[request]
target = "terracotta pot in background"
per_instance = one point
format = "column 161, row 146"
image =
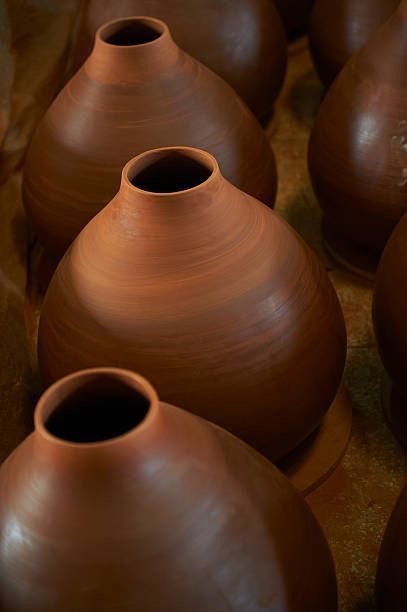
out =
column 295, row 15
column 357, row 155
column 339, row 31
column 389, row 316
column 118, row 501
column 136, row 91
column 391, row 587
column 241, row 40
column 208, row 293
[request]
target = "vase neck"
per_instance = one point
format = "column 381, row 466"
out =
column 129, row 51
column 175, row 181
column 96, row 419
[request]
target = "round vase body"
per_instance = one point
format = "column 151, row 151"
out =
column 136, row 91
column 241, row 40
column 389, row 317
column 337, row 33
column 208, row 293
column 168, row 514
column 357, row 153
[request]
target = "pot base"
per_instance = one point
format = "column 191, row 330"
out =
column 395, row 407
column 316, row 458
column 360, row 262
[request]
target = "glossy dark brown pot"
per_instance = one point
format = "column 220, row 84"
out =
column 241, row 40
column 391, row 585
column 207, row 292
column 135, row 92
column 339, row 30
column 357, row 154
column 120, row 502
column 295, row 15
column 390, row 321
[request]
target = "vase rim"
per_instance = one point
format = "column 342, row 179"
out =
column 149, row 158
column 111, row 27
column 64, row 387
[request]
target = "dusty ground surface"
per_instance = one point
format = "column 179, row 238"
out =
column 354, row 505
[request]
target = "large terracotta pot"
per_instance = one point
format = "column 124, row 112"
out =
column 295, row 15
column 357, row 155
column 391, row 586
column 241, row 40
column 135, row 92
column 339, row 31
column 120, row 502
column 208, row 293
column 389, row 316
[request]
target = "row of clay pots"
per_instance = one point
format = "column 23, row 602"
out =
column 270, row 301
column 358, row 148
column 121, row 502
column 136, row 91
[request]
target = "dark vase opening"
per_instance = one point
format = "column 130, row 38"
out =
column 97, row 409
column 173, row 171
column 131, row 33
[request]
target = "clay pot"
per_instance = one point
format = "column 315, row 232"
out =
column 391, row 587
column 357, row 154
column 295, row 15
column 208, row 293
column 338, row 32
column 136, row 91
column 118, row 501
column 389, row 316
column 241, row 40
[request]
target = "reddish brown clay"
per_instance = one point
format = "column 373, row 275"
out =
column 357, row 155
column 120, row 502
column 136, row 91
column 391, row 585
column 241, row 40
column 208, row 293
column 295, row 15
column 339, row 31
column 389, row 316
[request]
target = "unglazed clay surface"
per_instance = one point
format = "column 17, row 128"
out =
column 339, row 31
column 172, row 515
column 241, row 40
column 357, row 154
column 136, row 91
column 389, row 316
column 208, row 293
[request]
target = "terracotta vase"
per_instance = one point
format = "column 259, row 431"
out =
column 295, row 15
column 389, row 316
column 120, row 502
column 357, row 154
column 136, row 91
column 241, row 40
column 338, row 32
column 208, row 293
column 391, row 587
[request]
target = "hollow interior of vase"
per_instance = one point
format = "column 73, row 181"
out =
column 100, row 408
column 131, row 33
column 171, row 172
